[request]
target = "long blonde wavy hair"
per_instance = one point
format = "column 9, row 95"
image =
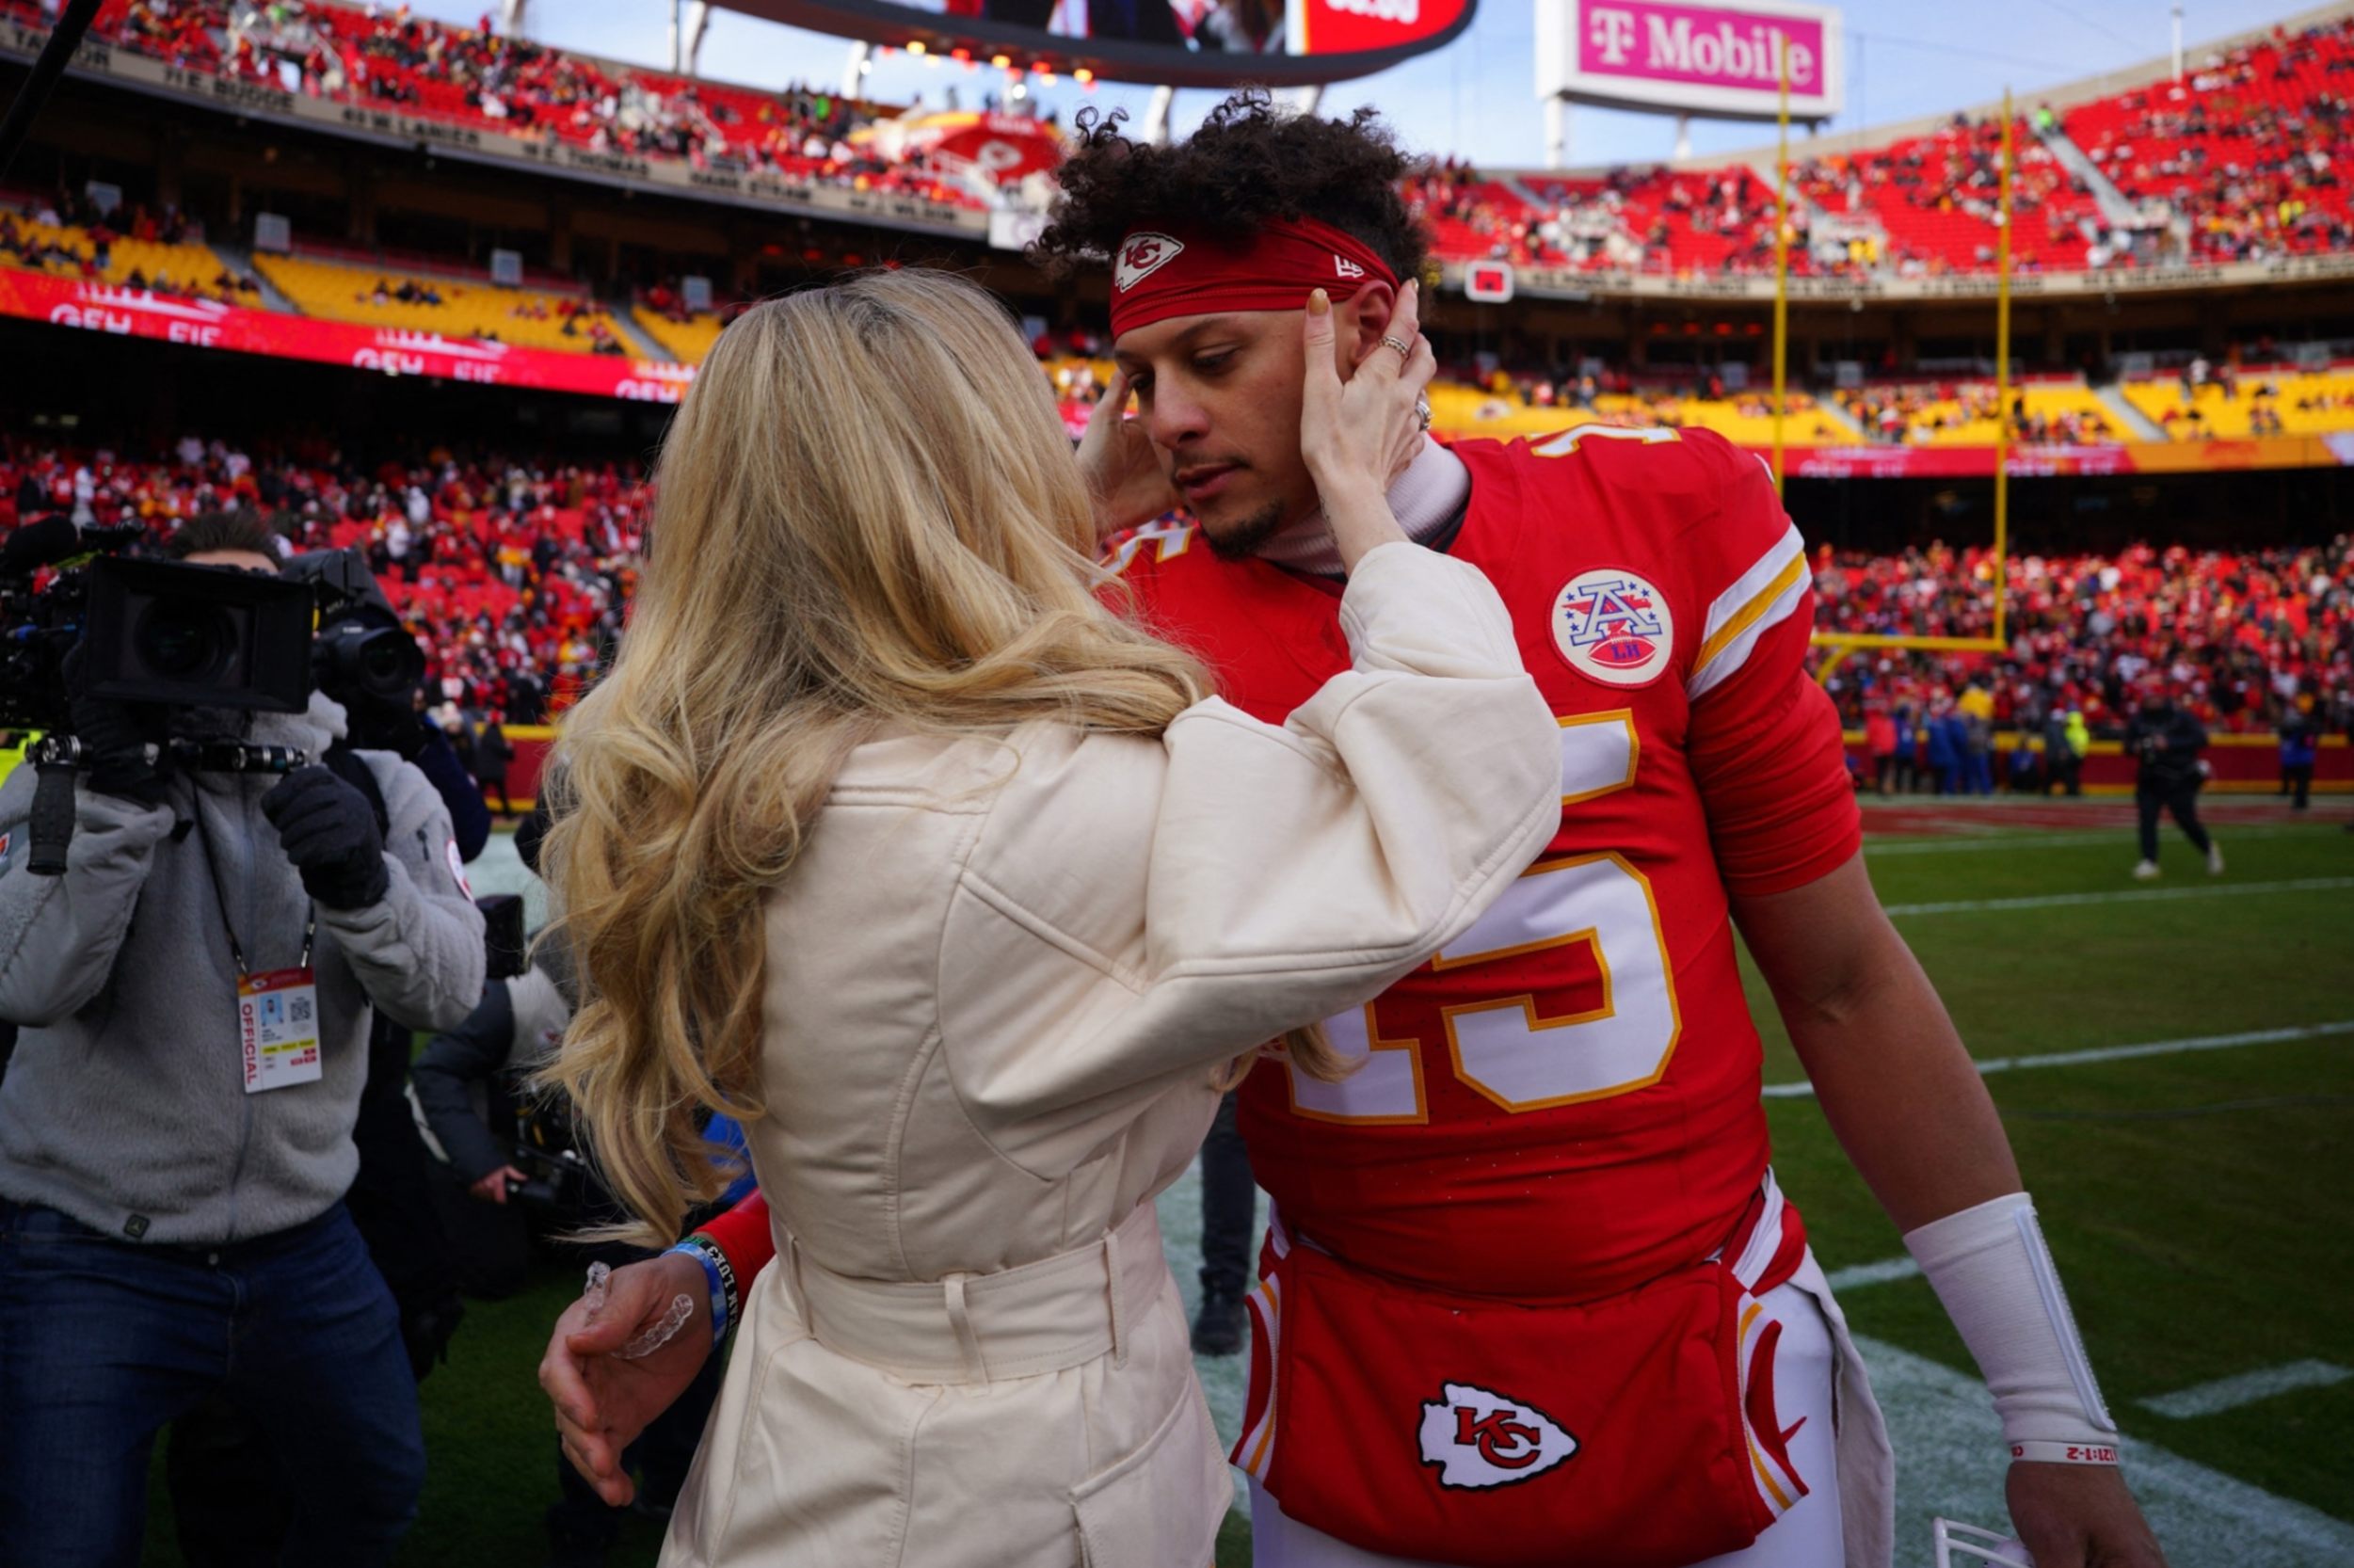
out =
column 867, row 510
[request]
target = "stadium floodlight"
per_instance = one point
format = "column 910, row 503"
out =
column 1979, row 1546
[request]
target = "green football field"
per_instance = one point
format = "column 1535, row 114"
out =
column 2197, row 1190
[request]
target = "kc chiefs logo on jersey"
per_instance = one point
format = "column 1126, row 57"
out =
column 1142, row 256
column 1479, row 1438
column 1614, row 627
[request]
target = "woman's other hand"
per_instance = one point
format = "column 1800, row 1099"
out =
column 1124, row 479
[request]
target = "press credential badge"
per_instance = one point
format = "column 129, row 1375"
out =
column 278, row 1029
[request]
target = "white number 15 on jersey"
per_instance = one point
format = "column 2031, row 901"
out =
column 1504, row 1048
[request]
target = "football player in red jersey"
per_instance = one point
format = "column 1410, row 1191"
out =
column 1532, row 1294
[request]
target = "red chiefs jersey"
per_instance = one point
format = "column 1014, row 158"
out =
column 1565, row 1102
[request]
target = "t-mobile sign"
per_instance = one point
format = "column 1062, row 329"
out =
column 1709, row 59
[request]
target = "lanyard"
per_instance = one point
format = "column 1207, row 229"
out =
column 237, row 954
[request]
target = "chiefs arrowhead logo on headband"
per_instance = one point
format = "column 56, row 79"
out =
column 1273, row 269
column 1142, row 256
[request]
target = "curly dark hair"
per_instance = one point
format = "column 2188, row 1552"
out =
column 1250, row 163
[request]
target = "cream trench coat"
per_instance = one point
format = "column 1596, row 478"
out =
column 1000, row 978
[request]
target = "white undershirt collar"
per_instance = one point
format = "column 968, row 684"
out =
column 1426, row 499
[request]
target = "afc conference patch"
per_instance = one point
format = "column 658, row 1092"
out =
column 1614, row 627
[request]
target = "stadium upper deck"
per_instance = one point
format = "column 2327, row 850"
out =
column 2232, row 164
column 1885, row 384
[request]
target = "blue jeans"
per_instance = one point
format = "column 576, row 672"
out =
column 103, row 1342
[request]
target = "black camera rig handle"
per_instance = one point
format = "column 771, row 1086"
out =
column 54, row 759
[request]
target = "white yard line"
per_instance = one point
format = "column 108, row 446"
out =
column 2122, row 895
column 2210, row 1398
column 2121, row 1054
column 1883, row 1272
column 2122, row 836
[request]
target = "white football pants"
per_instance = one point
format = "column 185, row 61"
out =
column 1808, row 1536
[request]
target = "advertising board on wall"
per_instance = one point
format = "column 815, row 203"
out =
column 1178, row 43
column 1720, row 59
column 96, row 306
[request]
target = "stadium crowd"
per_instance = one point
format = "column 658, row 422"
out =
column 515, row 573
column 2245, row 149
column 2246, row 641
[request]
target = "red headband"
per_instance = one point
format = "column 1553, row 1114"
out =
column 1158, row 274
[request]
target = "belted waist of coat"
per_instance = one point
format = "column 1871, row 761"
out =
column 1061, row 1311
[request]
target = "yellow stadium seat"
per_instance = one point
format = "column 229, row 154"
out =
column 528, row 318
column 2330, row 396
column 687, row 341
column 190, row 267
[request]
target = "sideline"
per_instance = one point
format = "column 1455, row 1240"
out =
column 1951, row 1460
column 1803, row 1090
column 2120, row 837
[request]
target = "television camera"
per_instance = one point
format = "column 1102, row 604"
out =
column 173, row 636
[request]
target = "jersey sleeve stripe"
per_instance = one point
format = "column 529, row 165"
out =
column 1723, row 653
column 1744, row 590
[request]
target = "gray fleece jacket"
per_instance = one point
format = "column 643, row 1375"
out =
column 125, row 1106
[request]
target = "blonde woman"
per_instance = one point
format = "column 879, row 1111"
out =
column 961, row 890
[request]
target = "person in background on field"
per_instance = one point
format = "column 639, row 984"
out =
column 2062, row 766
column 493, row 754
column 2299, row 746
column 1975, row 709
column 2166, row 742
column 1879, row 739
column 1943, row 749
column 1911, row 765
column 1229, row 1222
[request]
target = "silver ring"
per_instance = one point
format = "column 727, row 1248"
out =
column 1422, row 412
column 1405, row 349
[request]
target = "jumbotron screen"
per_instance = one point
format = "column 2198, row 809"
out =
column 1181, row 42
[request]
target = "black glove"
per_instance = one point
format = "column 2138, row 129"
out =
column 328, row 830
column 114, row 737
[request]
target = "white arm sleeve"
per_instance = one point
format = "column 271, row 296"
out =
column 1994, row 1274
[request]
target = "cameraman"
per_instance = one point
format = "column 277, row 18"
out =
column 2165, row 743
column 171, row 1217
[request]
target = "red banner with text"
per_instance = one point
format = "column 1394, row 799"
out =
column 98, row 307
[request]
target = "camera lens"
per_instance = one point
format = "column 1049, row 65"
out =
column 387, row 663
column 183, row 640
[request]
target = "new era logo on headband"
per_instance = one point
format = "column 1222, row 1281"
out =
column 1142, row 256
column 1343, row 267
